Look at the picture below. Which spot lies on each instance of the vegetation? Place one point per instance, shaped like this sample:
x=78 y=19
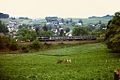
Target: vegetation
x=2 y=15
x=88 y=62
x=45 y=33
x=35 y=45
x=13 y=45
x=98 y=32
x=95 y=20
x=24 y=49
x=4 y=42
x=25 y=34
x=7 y=43
x=77 y=31
x=3 y=28
x=113 y=33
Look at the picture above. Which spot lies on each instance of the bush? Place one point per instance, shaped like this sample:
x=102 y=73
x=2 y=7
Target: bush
x=46 y=45
x=35 y=45
x=77 y=31
x=114 y=43
x=13 y=45
x=25 y=49
x=4 y=42
x=113 y=33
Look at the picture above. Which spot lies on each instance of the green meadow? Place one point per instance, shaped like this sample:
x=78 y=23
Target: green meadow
x=88 y=62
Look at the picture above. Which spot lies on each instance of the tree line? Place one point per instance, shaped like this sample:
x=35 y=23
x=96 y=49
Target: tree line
x=2 y=15
x=113 y=33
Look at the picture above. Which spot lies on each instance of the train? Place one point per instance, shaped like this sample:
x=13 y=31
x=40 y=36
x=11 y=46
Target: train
x=67 y=38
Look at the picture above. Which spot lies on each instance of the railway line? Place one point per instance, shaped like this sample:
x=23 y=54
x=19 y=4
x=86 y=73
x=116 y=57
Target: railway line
x=70 y=38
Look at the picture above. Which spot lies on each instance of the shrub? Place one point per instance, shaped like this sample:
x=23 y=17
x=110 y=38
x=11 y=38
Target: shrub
x=114 y=43
x=7 y=43
x=35 y=45
x=25 y=49
x=77 y=31
x=46 y=46
x=13 y=45
x=4 y=42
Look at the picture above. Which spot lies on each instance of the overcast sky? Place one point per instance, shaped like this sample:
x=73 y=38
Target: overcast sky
x=60 y=8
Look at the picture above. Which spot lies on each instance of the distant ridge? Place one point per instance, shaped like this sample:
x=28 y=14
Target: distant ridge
x=2 y=15
x=107 y=16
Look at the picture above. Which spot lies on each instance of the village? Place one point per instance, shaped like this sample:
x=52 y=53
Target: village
x=55 y=26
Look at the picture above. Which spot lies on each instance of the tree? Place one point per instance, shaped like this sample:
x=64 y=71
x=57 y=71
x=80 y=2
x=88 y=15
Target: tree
x=3 y=28
x=45 y=28
x=61 y=32
x=8 y=43
x=37 y=30
x=62 y=20
x=100 y=22
x=113 y=33
x=71 y=20
x=77 y=31
x=25 y=34
x=43 y=33
x=102 y=26
x=80 y=21
x=67 y=22
x=97 y=32
x=67 y=29
x=2 y=15
x=91 y=27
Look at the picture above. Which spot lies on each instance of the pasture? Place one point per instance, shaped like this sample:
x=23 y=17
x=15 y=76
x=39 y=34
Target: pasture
x=88 y=62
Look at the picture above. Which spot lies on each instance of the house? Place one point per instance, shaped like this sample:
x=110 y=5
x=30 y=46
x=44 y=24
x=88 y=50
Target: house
x=13 y=27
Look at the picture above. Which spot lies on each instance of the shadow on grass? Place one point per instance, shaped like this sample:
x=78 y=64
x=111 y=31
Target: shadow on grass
x=4 y=77
x=114 y=53
x=53 y=55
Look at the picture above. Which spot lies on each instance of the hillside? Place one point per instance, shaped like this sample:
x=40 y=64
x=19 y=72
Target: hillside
x=86 y=21
x=88 y=62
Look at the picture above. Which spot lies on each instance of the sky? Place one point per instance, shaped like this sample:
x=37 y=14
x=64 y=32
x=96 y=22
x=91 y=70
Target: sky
x=60 y=8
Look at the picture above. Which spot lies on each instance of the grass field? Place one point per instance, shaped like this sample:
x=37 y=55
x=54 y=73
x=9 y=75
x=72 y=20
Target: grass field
x=89 y=62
